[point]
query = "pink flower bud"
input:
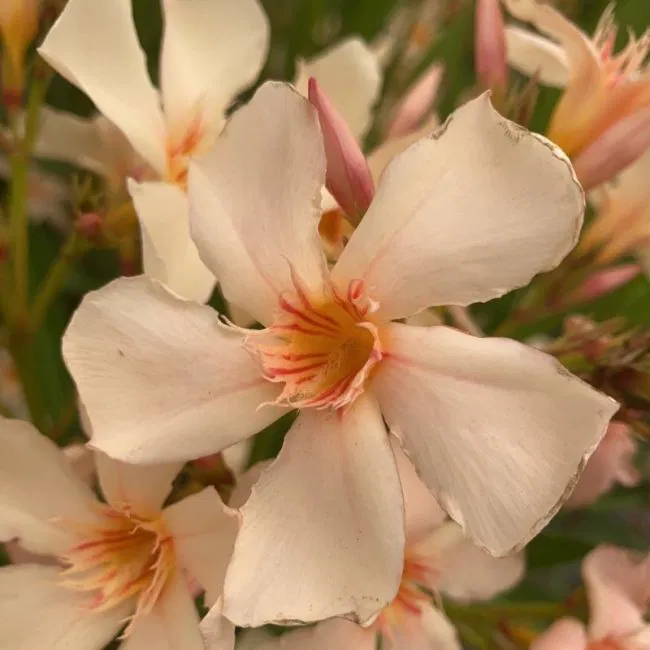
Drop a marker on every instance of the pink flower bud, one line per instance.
(414, 107)
(490, 46)
(348, 176)
(621, 145)
(90, 225)
(604, 282)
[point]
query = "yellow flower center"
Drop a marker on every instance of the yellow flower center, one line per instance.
(323, 349)
(125, 557)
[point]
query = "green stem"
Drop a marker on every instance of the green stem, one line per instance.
(53, 282)
(505, 610)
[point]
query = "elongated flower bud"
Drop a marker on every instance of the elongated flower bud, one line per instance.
(490, 46)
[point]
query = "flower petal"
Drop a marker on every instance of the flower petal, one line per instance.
(350, 75)
(565, 634)
(534, 55)
(320, 522)
(168, 252)
(465, 216)
(218, 632)
(37, 612)
(95, 47)
(143, 487)
(212, 50)
(434, 630)
(38, 485)
(252, 220)
(469, 574)
(618, 587)
(498, 431)
(161, 379)
(204, 533)
(173, 624)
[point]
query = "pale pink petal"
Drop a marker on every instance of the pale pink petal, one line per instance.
(204, 533)
(212, 50)
(565, 634)
(245, 483)
(218, 632)
(465, 216)
(237, 456)
(250, 219)
(161, 379)
(422, 513)
(143, 487)
(94, 45)
(611, 462)
(467, 573)
(535, 55)
(38, 486)
(412, 110)
(499, 431)
(36, 612)
(168, 252)
(433, 630)
(618, 587)
(323, 532)
(350, 74)
(173, 624)
(67, 137)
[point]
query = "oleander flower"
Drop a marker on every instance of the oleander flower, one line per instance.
(602, 119)
(125, 561)
(618, 589)
(498, 431)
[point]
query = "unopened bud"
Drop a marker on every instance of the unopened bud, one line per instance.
(603, 282)
(490, 47)
(90, 225)
(18, 28)
(348, 176)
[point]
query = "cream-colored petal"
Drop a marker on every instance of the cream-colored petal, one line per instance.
(254, 201)
(37, 613)
(465, 216)
(618, 588)
(498, 431)
(161, 378)
(38, 486)
(204, 533)
(212, 50)
(143, 487)
(173, 624)
(351, 77)
(321, 522)
(218, 632)
(535, 55)
(467, 573)
(432, 630)
(94, 45)
(168, 252)
(565, 634)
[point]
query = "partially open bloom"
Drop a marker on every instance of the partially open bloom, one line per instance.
(498, 431)
(611, 463)
(618, 588)
(123, 561)
(437, 560)
(211, 51)
(603, 89)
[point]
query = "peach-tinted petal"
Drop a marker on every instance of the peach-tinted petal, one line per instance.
(37, 612)
(173, 624)
(204, 535)
(323, 532)
(465, 216)
(212, 50)
(94, 45)
(432, 630)
(618, 587)
(250, 219)
(611, 462)
(351, 76)
(168, 252)
(535, 55)
(161, 378)
(498, 431)
(38, 486)
(218, 632)
(565, 634)
(467, 573)
(142, 487)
